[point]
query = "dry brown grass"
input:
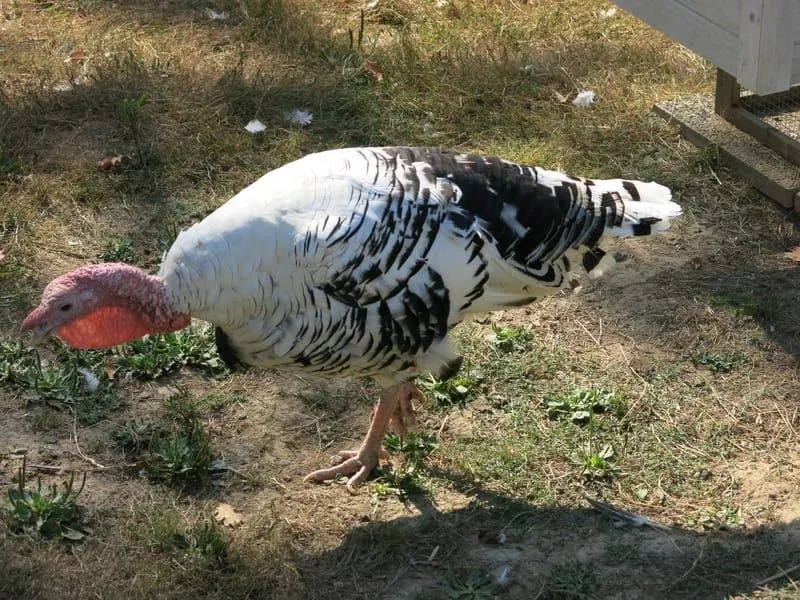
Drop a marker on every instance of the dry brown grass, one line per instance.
(712, 453)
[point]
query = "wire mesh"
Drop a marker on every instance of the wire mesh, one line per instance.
(780, 111)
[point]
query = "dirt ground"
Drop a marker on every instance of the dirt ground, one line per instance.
(698, 330)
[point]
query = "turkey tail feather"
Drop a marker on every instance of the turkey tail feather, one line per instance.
(646, 207)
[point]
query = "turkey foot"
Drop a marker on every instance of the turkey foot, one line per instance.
(395, 405)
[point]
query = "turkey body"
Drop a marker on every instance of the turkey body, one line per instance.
(358, 262)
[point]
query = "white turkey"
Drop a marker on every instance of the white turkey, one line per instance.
(358, 262)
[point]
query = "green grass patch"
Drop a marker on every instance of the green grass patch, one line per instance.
(717, 362)
(158, 355)
(511, 339)
(456, 391)
(178, 452)
(62, 383)
(758, 304)
(118, 250)
(581, 405)
(570, 585)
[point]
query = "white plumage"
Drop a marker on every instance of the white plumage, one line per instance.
(358, 261)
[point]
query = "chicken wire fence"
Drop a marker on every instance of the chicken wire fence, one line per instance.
(773, 119)
(781, 112)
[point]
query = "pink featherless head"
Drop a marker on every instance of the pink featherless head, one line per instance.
(98, 306)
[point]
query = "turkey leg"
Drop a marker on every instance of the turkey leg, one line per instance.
(394, 406)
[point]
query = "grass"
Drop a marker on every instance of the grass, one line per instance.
(178, 453)
(118, 250)
(668, 388)
(67, 378)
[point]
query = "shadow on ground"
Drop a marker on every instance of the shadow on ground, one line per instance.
(547, 553)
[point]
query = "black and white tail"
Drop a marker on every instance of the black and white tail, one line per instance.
(645, 207)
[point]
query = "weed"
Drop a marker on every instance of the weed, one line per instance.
(204, 542)
(9, 166)
(763, 306)
(717, 362)
(44, 510)
(570, 585)
(724, 517)
(216, 402)
(580, 405)
(510, 339)
(138, 436)
(474, 585)
(456, 391)
(180, 455)
(182, 458)
(415, 447)
(598, 463)
(61, 384)
(131, 109)
(46, 420)
(158, 355)
(118, 250)
(382, 489)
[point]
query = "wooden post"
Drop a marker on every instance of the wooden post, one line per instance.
(726, 93)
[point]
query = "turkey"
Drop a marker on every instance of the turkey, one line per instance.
(358, 262)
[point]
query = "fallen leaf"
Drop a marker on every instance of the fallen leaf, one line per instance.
(560, 98)
(373, 69)
(2, 255)
(793, 254)
(584, 99)
(255, 126)
(696, 262)
(110, 162)
(76, 55)
(226, 515)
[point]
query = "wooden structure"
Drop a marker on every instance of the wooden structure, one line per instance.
(756, 41)
(756, 46)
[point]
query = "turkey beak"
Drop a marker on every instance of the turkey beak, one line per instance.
(38, 326)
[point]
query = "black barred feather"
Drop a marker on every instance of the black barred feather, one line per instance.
(360, 261)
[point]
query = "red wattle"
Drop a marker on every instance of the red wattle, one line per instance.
(105, 327)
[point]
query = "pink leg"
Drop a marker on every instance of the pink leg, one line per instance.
(404, 417)
(395, 404)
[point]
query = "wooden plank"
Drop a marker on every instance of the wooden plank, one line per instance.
(764, 133)
(765, 35)
(701, 35)
(724, 13)
(768, 172)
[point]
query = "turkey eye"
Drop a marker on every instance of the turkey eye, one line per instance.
(64, 307)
